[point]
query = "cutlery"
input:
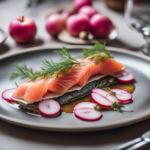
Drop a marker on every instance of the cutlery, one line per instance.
(136, 143)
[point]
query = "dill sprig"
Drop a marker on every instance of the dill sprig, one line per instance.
(23, 71)
(108, 89)
(98, 48)
(50, 68)
(64, 54)
(16, 84)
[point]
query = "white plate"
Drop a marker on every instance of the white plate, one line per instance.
(138, 65)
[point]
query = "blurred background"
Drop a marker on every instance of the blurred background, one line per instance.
(128, 35)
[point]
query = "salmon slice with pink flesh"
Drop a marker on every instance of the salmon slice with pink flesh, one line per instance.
(107, 67)
(63, 82)
(33, 92)
(21, 90)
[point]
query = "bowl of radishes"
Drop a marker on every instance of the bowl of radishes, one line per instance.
(80, 24)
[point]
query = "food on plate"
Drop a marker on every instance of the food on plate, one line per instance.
(62, 82)
(22, 29)
(54, 24)
(49, 108)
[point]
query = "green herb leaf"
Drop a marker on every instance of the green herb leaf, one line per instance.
(64, 54)
(97, 49)
(97, 107)
(16, 84)
(24, 72)
(98, 85)
(109, 90)
(117, 106)
(50, 68)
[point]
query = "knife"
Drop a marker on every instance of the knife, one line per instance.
(136, 143)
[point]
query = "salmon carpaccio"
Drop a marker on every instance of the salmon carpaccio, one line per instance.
(78, 75)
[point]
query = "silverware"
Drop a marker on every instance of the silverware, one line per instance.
(136, 143)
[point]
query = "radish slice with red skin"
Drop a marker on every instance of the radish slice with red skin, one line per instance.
(123, 96)
(84, 105)
(49, 107)
(7, 94)
(105, 95)
(87, 114)
(100, 100)
(125, 77)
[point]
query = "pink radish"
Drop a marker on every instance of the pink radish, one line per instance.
(77, 4)
(87, 114)
(103, 98)
(100, 25)
(7, 94)
(85, 111)
(125, 77)
(84, 105)
(87, 10)
(122, 95)
(65, 14)
(54, 24)
(77, 24)
(49, 108)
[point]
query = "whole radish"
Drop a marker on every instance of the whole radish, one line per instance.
(100, 25)
(87, 10)
(77, 24)
(65, 14)
(54, 24)
(77, 4)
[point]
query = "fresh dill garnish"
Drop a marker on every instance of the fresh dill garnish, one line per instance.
(117, 106)
(64, 54)
(49, 69)
(109, 90)
(16, 84)
(97, 49)
(97, 107)
(24, 72)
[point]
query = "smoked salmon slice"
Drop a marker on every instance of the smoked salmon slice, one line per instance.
(31, 91)
(63, 82)
(108, 66)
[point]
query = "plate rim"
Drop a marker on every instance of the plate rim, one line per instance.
(73, 128)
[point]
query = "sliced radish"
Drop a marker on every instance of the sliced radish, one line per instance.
(125, 77)
(123, 96)
(84, 105)
(87, 114)
(49, 107)
(7, 94)
(103, 98)
(100, 100)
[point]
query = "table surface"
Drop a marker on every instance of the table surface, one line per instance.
(20, 138)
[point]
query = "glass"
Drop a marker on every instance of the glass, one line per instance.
(137, 16)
